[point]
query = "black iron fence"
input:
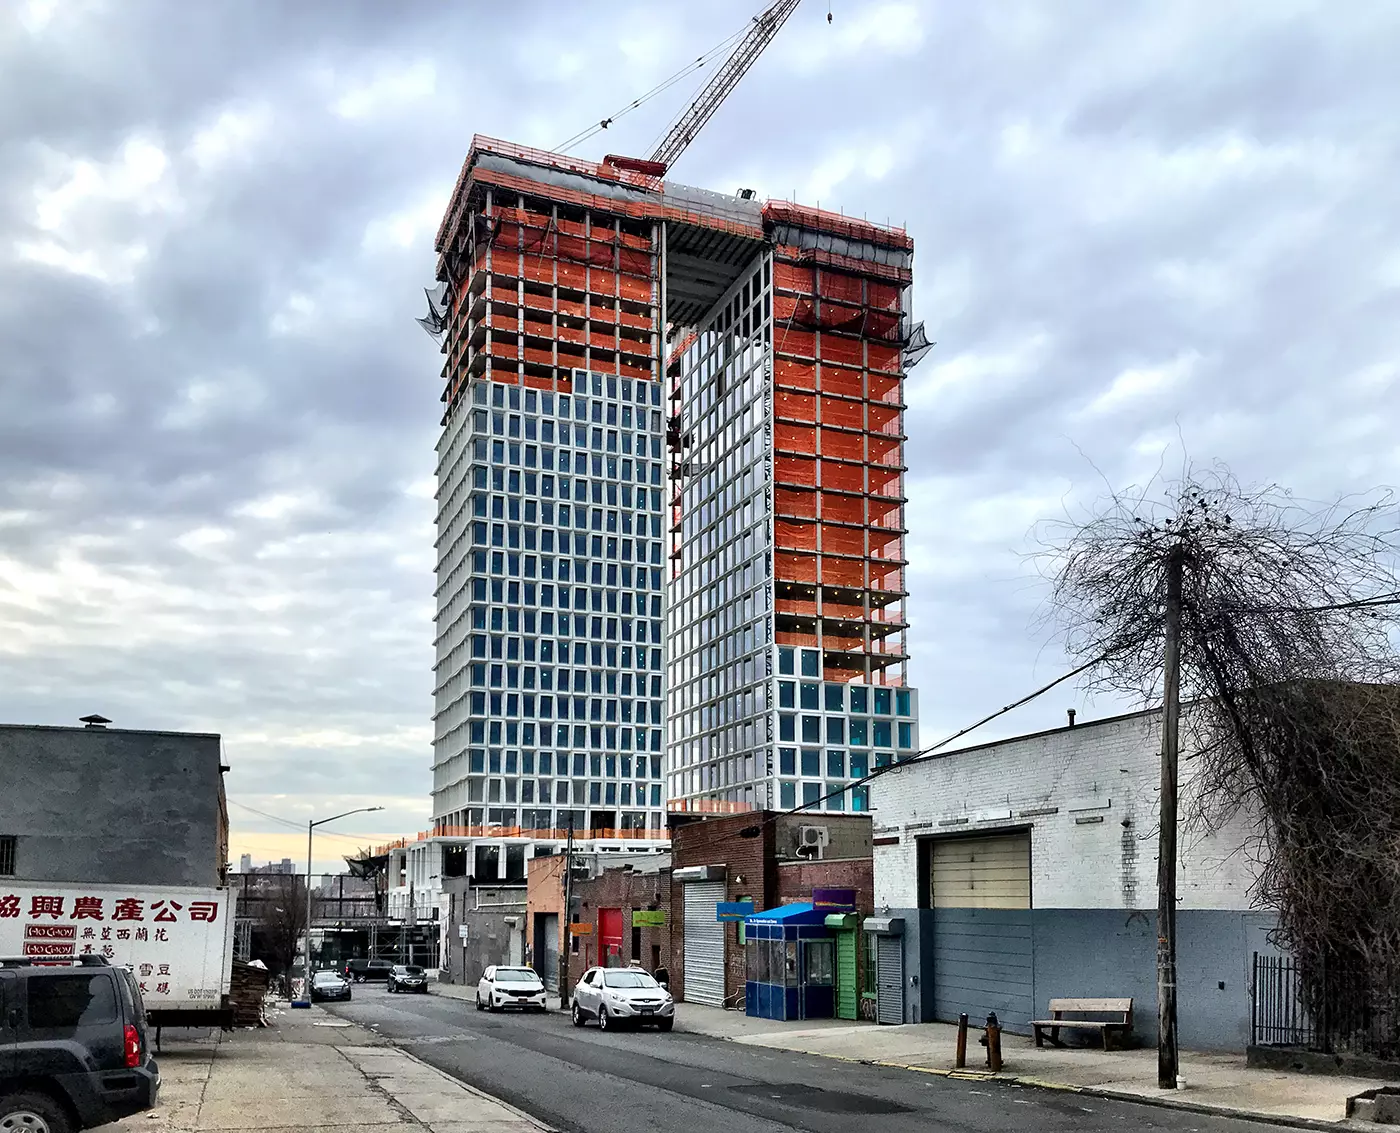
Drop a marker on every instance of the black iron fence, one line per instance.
(1335, 1010)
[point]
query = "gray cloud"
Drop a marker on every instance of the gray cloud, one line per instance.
(1135, 226)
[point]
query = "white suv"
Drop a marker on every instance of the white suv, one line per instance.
(622, 995)
(503, 987)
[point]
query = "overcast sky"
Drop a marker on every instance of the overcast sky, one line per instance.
(1138, 227)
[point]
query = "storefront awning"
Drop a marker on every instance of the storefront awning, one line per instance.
(803, 914)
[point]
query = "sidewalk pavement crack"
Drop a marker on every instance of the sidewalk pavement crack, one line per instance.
(208, 1077)
(372, 1081)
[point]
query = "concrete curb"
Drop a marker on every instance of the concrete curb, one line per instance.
(1205, 1108)
(520, 1113)
(969, 1075)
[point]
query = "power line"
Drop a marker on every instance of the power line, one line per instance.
(1355, 604)
(299, 827)
(928, 753)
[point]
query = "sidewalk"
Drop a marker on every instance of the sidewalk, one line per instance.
(1215, 1083)
(312, 1073)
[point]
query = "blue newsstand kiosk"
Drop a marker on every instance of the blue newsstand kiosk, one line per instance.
(791, 958)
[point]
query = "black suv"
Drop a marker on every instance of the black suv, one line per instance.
(74, 1051)
(362, 970)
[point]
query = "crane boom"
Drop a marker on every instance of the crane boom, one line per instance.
(760, 35)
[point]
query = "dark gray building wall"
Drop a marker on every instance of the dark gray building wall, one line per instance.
(496, 930)
(918, 963)
(848, 835)
(1113, 953)
(113, 805)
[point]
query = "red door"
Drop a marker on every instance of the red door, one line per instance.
(610, 938)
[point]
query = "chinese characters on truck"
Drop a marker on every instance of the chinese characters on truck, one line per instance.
(57, 928)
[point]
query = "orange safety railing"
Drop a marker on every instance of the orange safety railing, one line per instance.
(547, 835)
(709, 806)
(838, 223)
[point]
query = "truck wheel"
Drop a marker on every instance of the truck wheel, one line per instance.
(33, 1113)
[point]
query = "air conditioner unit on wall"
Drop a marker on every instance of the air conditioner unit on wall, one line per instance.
(812, 841)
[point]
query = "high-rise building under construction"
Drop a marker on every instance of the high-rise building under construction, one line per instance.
(670, 484)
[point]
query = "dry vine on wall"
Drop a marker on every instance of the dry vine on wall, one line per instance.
(1291, 706)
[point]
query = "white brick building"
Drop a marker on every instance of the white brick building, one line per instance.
(1027, 868)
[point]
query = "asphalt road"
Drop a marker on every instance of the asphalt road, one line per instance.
(581, 1081)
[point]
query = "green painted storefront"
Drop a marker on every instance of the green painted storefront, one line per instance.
(844, 929)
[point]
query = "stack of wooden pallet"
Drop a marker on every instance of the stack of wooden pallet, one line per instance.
(247, 992)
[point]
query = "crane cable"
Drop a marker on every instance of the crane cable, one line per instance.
(690, 68)
(695, 94)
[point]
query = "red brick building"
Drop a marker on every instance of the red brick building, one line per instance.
(607, 889)
(780, 861)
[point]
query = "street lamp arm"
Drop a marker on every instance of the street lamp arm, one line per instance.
(310, 829)
(347, 814)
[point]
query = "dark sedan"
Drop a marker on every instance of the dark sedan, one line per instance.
(408, 977)
(329, 985)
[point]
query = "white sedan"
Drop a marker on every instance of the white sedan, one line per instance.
(616, 996)
(500, 988)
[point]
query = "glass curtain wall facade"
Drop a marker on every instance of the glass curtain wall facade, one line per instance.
(722, 596)
(549, 698)
(550, 702)
(788, 659)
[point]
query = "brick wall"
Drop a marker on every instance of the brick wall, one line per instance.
(716, 841)
(1088, 795)
(770, 877)
(628, 890)
(796, 880)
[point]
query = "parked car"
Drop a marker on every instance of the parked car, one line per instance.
(74, 1046)
(617, 996)
(329, 985)
(408, 977)
(502, 987)
(362, 970)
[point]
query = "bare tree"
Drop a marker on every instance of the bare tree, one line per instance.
(281, 921)
(1288, 670)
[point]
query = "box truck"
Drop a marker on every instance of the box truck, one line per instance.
(176, 940)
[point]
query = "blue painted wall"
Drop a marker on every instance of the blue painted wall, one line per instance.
(1109, 952)
(984, 961)
(918, 964)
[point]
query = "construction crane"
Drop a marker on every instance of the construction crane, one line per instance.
(759, 35)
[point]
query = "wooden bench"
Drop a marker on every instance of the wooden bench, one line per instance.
(1120, 1024)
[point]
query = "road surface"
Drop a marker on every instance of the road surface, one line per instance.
(582, 1081)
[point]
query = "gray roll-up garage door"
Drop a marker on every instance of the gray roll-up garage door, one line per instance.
(889, 979)
(982, 948)
(704, 944)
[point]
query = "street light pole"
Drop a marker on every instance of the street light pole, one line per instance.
(305, 1000)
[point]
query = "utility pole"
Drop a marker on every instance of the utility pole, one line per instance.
(306, 960)
(1167, 1062)
(568, 944)
(305, 1000)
